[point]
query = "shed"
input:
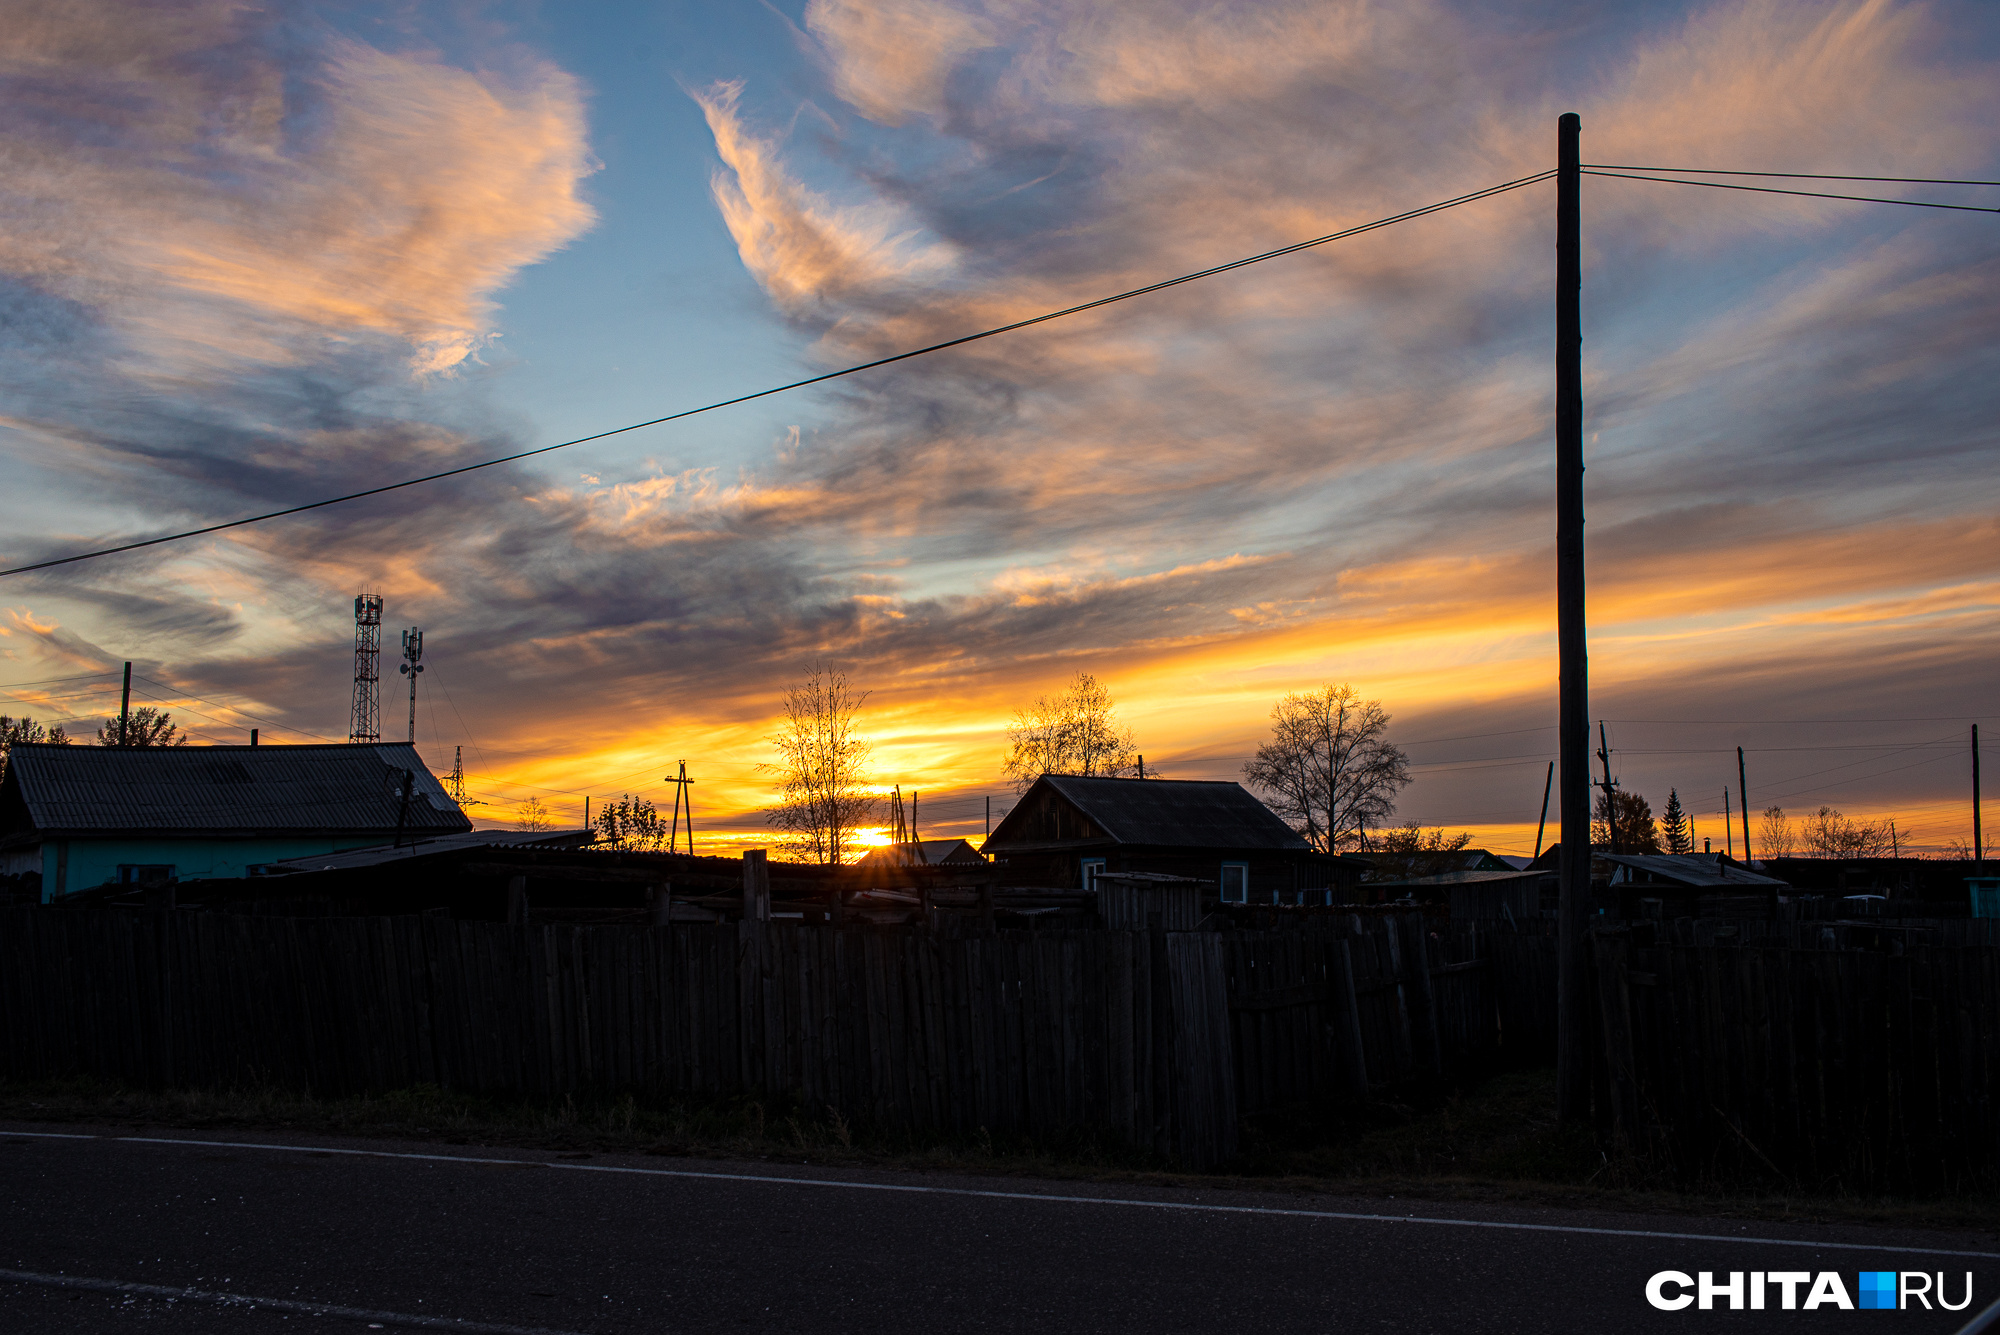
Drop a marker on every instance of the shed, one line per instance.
(76, 817)
(924, 853)
(1066, 830)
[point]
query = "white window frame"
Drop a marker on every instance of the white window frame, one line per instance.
(1091, 866)
(1242, 895)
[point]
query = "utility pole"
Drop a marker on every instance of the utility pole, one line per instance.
(1572, 1022)
(413, 650)
(1728, 824)
(989, 815)
(1543, 823)
(1743, 791)
(682, 794)
(125, 710)
(1610, 804)
(1978, 844)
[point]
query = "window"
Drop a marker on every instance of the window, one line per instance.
(1236, 883)
(131, 873)
(1091, 866)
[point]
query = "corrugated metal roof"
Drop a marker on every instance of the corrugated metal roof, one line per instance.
(225, 790)
(1703, 871)
(1181, 813)
(352, 858)
(924, 852)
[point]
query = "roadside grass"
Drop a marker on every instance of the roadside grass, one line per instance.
(1494, 1141)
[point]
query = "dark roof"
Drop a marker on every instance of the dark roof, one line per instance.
(925, 853)
(1478, 877)
(1177, 813)
(1702, 871)
(222, 790)
(350, 858)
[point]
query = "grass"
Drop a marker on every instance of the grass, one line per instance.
(1495, 1141)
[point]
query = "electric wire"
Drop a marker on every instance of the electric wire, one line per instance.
(1406, 216)
(1774, 190)
(1794, 176)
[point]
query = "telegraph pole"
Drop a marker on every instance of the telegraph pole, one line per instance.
(1543, 823)
(1978, 844)
(1743, 792)
(1572, 1024)
(1610, 805)
(125, 710)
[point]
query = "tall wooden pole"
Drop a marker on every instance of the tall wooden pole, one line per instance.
(1572, 1026)
(125, 710)
(1743, 794)
(1978, 844)
(1543, 823)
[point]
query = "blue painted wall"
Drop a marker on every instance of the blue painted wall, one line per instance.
(95, 861)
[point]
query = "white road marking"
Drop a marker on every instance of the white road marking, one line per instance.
(1128, 1202)
(226, 1299)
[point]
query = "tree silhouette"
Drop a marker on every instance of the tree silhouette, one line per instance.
(145, 726)
(1675, 830)
(1328, 768)
(821, 767)
(1636, 831)
(1070, 733)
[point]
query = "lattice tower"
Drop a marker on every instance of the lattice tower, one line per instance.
(366, 723)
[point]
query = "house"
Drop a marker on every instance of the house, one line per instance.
(1477, 893)
(1067, 830)
(77, 817)
(924, 853)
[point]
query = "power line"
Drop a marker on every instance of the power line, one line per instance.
(1296, 246)
(48, 681)
(280, 727)
(1762, 190)
(1794, 176)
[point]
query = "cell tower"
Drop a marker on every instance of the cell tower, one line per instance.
(413, 652)
(366, 725)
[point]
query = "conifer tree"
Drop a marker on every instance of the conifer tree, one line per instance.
(1675, 830)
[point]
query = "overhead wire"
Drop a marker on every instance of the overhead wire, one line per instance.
(1078, 309)
(1794, 176)
(1774, 190)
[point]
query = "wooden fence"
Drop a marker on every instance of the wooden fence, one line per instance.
(1122, 1033)
(1859, 1069)
(1356, 1004)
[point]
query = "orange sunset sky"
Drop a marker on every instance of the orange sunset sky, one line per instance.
(256, 256)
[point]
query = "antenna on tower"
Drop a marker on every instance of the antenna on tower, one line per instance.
(413, 650)
(366, 724)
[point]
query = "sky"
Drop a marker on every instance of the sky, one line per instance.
(257, 255)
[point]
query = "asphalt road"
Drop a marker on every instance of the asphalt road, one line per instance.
(302, 1235)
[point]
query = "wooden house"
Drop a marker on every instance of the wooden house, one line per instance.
(77, 817)
(1065, 831)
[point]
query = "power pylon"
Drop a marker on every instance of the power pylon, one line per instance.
(365, 724)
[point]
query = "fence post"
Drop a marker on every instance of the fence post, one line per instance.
(1347, 1020)
(517, 899)
(1615, 1025)
(756, 886)
(1417, 958)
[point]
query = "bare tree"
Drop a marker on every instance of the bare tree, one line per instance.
(1070, 733)
(532, 815)
(821, 767)
(1775, 834)
(1328, 768)
(1828, 834)
(144, 726)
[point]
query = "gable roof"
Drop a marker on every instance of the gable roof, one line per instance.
(334, 789)
(1703, 871)
(1175, 813)
(924, 853)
